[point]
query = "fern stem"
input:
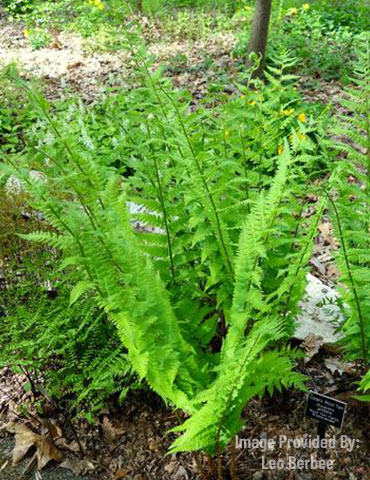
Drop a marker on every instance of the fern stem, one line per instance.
(205, 184)
(368, 139)
(200, 467)
(367, 109)
(303, 254)
(164, 210)
(280, 15)
(245, 167)
(351, 279)
(212, 466)
(219, 461)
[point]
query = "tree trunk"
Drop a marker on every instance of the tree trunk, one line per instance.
(259, 32)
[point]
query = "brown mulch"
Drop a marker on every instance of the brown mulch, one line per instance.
(130, 442)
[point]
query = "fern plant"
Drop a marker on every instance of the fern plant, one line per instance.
(351, 209)
(72, 357)
(195, 256)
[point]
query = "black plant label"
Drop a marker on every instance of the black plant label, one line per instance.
(325, 409)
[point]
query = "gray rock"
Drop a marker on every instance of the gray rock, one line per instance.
(14, 186)
(320, 313)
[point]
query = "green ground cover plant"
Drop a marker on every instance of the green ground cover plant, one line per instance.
(306, 27)
(16, 118)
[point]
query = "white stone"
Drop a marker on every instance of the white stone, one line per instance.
(320, 313)
(14, 186)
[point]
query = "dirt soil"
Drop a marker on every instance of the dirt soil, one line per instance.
(131, 442)
(69, 65)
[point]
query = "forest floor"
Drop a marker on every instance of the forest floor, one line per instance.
(71, 66)
(131, 443)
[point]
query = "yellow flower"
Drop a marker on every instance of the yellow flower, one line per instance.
(26, 32)
(288, 111)
(302, 136)
(280, 149)
(252, 103)
(292, 11)
(99, 4)
(306, 6)
(302, 117)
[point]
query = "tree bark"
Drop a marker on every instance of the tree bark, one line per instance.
(259, 31)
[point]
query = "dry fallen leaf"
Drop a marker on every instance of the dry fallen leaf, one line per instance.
(181, 473)
(46, 452)
(311, 346)
(316, 263)
(153, 446)
(170, 467)
(72, 446)
(69, 464)
(79, 467)
(25, 439)
(55, 430)
(109, 431)
(337, 365)
(121, 473)
(326, 231)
